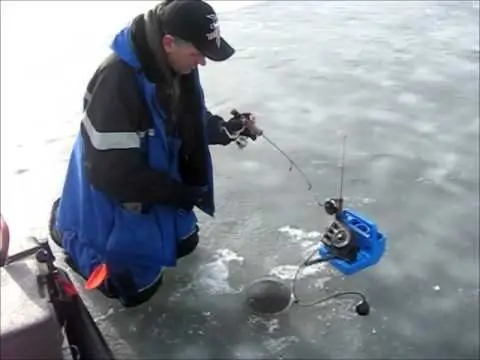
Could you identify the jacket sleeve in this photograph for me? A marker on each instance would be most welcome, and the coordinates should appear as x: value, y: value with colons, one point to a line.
x: 215, y: 130
x: 114, y: 162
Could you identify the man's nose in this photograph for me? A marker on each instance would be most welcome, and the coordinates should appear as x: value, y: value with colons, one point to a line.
x: 202, y: 61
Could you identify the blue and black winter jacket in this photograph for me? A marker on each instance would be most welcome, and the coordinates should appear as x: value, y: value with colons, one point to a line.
x: 141, y: 157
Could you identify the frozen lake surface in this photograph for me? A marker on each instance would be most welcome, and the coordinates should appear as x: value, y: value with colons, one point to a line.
x: 400, y: 78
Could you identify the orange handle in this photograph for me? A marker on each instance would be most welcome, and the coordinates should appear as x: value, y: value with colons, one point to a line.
x: 97, y: 277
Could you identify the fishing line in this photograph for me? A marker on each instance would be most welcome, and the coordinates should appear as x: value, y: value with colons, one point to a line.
x: 241, y: 141
x: 293, y: 164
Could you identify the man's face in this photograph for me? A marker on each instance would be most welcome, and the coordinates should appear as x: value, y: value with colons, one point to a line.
x: 183, y: 57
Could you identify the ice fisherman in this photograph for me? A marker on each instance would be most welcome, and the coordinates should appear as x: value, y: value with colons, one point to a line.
x: 141, y: 160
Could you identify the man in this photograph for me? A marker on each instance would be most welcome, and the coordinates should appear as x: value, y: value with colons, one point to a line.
x: 141, y: 161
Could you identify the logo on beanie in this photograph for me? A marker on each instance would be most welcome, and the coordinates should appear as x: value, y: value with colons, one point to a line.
x: 215, y: 33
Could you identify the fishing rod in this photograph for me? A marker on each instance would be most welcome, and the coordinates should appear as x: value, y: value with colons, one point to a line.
x: 350, y: 243
x: 241, y: 142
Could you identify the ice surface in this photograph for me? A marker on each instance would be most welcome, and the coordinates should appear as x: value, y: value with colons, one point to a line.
x: 400, y: 78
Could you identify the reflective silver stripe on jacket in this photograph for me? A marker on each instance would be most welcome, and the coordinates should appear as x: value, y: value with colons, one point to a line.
x: 110, y: 140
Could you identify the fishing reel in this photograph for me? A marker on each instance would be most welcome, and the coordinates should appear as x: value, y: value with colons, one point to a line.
x: 351, y: 240
x: 248, y: 123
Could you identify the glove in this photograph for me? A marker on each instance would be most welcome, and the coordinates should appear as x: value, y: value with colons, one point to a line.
x: 237, y: 122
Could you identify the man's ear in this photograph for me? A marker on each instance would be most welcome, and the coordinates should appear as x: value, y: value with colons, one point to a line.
x: 168, y: 42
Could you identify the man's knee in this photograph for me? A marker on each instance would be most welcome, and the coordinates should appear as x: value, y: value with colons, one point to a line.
x: 187, y: 245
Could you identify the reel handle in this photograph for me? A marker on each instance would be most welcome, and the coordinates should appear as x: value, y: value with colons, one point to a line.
x: 249, y: 124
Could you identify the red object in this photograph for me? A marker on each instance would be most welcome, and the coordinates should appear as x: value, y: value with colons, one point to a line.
x: 97, y: 277
x: 4, y: 241
x: 66, y: 285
